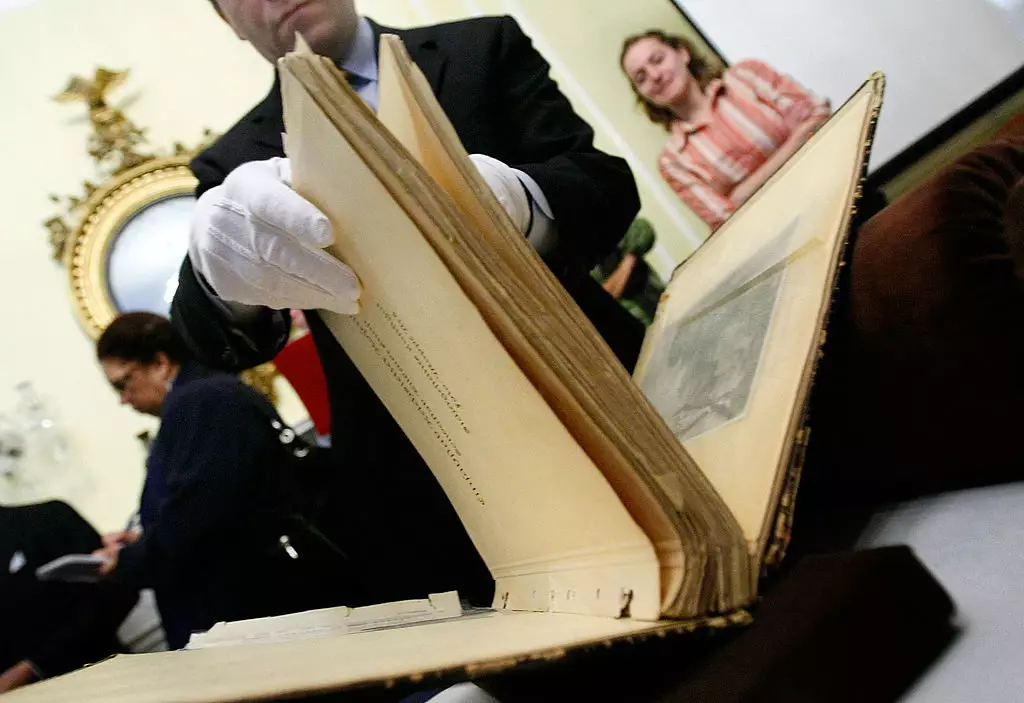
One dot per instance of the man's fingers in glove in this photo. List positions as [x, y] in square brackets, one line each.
[256, 283]
[257, 187]
[313, 267]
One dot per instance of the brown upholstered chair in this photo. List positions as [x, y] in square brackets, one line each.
[926, 392]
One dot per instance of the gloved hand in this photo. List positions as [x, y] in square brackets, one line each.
[507, 188]
[257, 241]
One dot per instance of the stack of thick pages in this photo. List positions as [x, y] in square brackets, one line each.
[572, 487]
[604, 506]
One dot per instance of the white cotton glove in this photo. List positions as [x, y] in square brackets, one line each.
[509, 187]
[256, 241]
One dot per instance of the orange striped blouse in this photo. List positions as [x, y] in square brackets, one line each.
[754, 111]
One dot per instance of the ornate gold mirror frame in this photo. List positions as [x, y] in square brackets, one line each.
[134, 225]
[106, 216]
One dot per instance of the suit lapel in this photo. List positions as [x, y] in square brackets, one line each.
[423, 50]
[268, 120]
[431, 61]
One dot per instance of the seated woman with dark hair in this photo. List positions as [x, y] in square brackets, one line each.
[728, 131]
[213, 543]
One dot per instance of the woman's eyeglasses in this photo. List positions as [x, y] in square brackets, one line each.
[121, 385]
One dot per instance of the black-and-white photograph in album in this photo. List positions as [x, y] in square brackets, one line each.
[702, 375]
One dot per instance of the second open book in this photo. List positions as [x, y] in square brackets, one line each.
[582, 493]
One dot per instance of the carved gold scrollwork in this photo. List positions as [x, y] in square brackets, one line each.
[133, 179]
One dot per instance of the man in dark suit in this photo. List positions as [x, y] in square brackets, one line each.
[51, 628]
[256, 251]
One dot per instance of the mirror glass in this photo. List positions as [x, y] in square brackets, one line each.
[146, 253]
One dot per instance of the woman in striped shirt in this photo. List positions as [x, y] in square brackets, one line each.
[728, 132]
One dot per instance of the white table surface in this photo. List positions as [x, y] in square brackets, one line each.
[973, 542]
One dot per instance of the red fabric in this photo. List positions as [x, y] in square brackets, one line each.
[1013, 128]
[299, 363]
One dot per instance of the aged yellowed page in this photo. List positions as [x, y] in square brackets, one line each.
[550, 528]
[410, 113]
[329, 622]
[297, 669]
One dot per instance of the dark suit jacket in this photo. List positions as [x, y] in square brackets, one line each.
[56, 626]
[496, 91]
[210, 544]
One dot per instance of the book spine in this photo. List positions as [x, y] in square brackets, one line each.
[775, 550]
